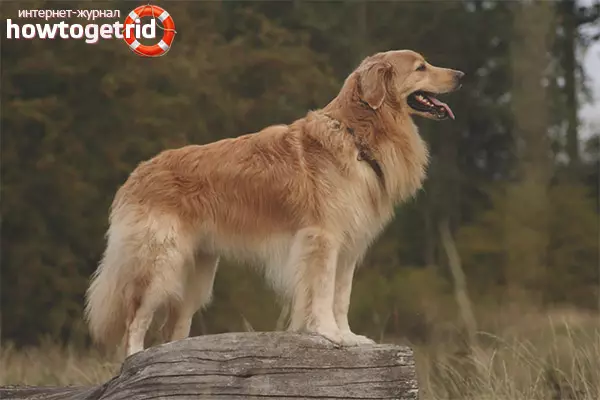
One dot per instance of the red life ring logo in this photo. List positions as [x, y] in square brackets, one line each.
[131, 25]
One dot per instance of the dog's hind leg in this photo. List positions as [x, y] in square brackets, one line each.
[197, 294]
[140, 318]
[163, 285]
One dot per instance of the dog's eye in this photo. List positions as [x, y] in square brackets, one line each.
[421, 67]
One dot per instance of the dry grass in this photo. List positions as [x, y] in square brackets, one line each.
[54, 365]
[529, 356]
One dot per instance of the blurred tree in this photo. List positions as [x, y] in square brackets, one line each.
[527, 196]
[567, 78]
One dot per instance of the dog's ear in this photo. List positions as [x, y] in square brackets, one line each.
[373, 79]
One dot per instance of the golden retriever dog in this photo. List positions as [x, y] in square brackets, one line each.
[303, 200]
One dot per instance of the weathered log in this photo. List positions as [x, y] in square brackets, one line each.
[276, 365]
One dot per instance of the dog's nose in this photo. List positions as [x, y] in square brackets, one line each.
[458, 75]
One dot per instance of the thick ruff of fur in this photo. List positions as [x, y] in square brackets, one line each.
[295, 199]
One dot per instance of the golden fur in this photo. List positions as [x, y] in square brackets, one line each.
[295, 199]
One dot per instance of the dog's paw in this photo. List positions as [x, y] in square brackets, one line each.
[352, 339]
[345, 338]
[333, 336]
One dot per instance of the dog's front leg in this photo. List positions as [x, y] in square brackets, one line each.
[314, 260]
[343, 288]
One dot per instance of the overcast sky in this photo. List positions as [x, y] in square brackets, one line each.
[590, 113]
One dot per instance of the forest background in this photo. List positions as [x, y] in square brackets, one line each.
[498, 253]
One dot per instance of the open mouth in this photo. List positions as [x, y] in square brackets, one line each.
[427, 102]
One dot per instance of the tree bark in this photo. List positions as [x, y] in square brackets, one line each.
[460, 285]
[569, 25]
[278, 365]
[528, 207]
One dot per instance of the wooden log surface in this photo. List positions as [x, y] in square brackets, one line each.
[273, 365]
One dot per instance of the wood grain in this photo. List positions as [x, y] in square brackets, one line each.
[269, 365]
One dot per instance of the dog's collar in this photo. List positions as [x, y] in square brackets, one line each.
[364, 153]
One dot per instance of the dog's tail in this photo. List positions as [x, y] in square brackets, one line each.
[105, 301]
[110, 295]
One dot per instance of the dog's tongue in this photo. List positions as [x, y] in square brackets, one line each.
[442, 104]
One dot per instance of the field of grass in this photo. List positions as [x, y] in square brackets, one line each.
[525, 356]
[531, 357]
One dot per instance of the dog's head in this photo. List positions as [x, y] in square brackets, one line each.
[405, 81]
